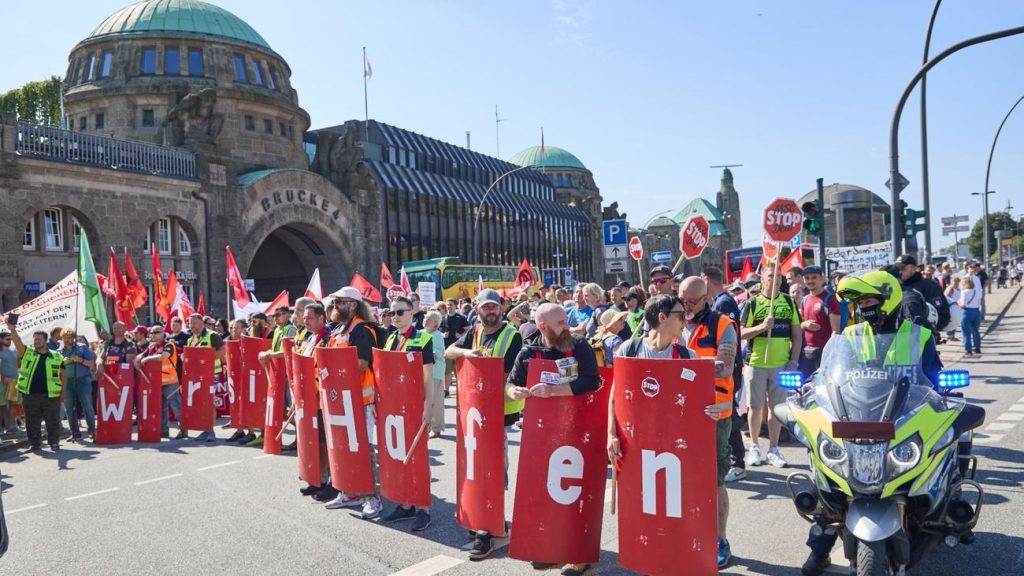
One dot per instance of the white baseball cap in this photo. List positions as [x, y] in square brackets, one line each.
[350, 293]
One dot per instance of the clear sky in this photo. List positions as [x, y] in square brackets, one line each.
[647, 94]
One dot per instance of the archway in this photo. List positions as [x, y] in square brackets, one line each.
[286, 258]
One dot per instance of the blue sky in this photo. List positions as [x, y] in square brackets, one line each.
[646, 94]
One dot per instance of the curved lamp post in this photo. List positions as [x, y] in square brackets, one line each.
[480, 207]
[988, 170]
[924, 136]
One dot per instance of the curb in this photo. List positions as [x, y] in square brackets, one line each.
[1002, 312]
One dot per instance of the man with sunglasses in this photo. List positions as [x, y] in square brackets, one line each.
[661, 280]
[408, 338]
[162, 350]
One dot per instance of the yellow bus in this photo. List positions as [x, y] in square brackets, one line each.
[454, 279]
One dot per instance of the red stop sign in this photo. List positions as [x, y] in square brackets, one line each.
[636, 249]
[782, 219]
[694, 236]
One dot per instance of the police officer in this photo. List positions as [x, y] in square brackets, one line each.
[41, 381]
[910, 275]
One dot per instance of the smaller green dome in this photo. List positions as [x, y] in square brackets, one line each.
[182, 16]
[552, 157]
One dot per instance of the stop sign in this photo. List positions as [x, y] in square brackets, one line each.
[782, 219]
[694, 236]
[636, 249]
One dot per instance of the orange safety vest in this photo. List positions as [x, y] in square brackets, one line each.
[366, 379]
[705, 347]
[168, 366]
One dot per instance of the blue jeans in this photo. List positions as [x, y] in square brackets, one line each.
[971, 327]
[172, 399]
[79, 389]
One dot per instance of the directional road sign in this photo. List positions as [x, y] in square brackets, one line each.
[947, 230]
[615, 266]
[954, 220]
[661, 257]
[616, 252]
[614, 232]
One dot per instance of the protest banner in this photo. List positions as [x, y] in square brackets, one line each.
[860, 258]
[253, 390]
[480, 445]
[404, 464]
[274, 418]
[114, 414]
[197, 364]
[667, 490]
[149, 398]
[307, 439]
[62, 306]
[233, 376]
[345, 426]
[563, 465]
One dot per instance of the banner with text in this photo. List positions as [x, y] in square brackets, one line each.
[274, 420]
[62, 306]
[114, 414]
[233, 377]
[197, 364]
[345, 427]
[863, 257]
[480, 445]
[149, 398]
[253, 389]
[307, 439]
[400, 418]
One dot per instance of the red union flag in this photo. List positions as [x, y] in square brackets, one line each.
[667, 486]
[233, 374]
[399, 418]
[782, 219]
[345, 429]
[694, 236]
[304, 373]
[114, 417]
[275, 406]
[148, 401]
[563, 464]
[197, 388]
[480, 438]
[253, 389]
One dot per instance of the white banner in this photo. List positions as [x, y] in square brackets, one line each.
[62, 306]
[428, 295]
[864, 257]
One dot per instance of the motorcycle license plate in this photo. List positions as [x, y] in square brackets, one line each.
[863, 430]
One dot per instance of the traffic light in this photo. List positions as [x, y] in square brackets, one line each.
[812, 217]
[910, 218]
[887, 217]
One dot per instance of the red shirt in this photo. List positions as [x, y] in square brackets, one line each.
[813, 308]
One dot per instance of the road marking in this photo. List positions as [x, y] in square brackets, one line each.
[261, 457]
[1011, 416]
[608, 494]
[430, 566]
[150, 481]
[33, 507]
[97, 493]
[1016, 408]
[995, 426]
[221, 465]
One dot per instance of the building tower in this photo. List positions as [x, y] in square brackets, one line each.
[728, 203]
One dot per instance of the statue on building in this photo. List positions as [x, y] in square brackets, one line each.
[193, 119]
[340, 159]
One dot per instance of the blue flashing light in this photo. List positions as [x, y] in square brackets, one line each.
[952, 379]
[791, 380]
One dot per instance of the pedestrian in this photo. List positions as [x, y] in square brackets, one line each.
[117, 350]
[771, 321]
[635, 300]
[577, 369]
[41, 382]
[661, 281]
[617, 294]
[970, 301]
[981, 284]
[79, 362]
[178, 336]
[204, 337]
[431, 325]
[161, 350]
[911, 277]
[411, 339]
[283, 328]
[418, 313]
[453, 325]
[587, 297]
[956, 315]
[54, 342]
[9, 395]
[820, 314]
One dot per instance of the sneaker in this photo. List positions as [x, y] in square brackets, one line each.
[754, 457]
[371, 508]
[325, 494]
[205, 437]
[309, 490]
[257, 441]
[181, 435]
[165, 435]
[345, 501]
[775, 458]
[735, 474]
[399, 514]
[968, 355]
[482, 547]
[422, 521]
[55, 447]
[246, 438]
[236, 436]
[724, 553]
[815, 564]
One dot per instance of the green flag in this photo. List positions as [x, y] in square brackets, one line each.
[94, 308]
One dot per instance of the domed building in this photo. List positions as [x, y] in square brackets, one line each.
[861, 211]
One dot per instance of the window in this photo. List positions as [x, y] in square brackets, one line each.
[257, 74]
[148, 118]
[71, 123]
[76, 233]
[53, 220]
[558, 180]
[172, 61]
[272, 76]
[240, 68]
[81, 123]
[76, 72]
[284, 129]
[268, 126]
[108, 56]
[568, 180]
[100, 122]
[184, 245]
[195, 62]
[149, 241]
[148, 64]
[250, 123]
[90, 68]
[28, 241]
[163, 236]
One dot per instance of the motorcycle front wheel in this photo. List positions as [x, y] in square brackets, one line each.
[873, 559]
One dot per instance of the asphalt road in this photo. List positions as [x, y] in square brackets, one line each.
[222, 509]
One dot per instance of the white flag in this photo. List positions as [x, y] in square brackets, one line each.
[314, 290]
[367, 69]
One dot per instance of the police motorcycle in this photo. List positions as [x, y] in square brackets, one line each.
[886, 454]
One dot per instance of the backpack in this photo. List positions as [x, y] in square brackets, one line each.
[631, 348]
[597, 345]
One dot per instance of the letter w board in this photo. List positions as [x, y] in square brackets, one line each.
[341, 400]
[667, 492]
[480, 464]
[114, 417]
[399, 418]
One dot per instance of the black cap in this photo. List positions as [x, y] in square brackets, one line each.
[906, 260]
[661, 270]
[813, 270]
[624, 284]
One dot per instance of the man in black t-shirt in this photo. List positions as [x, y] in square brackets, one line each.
[454, 326]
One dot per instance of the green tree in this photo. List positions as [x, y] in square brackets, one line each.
[996, 221]
[36, 102]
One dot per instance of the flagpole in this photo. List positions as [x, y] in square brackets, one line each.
[227, 293]
[366, 101]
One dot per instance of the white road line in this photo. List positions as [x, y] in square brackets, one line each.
[97, 493]
[221, 465]
[1021, 401]
[988, 439]
[608, 494]
[152, 480]
[1016, 408]
[261, 457]
[1011, 416]
[996, 426]
[33, 507]
[430, 566]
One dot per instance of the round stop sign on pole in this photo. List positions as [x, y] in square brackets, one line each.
[782, 219]
[694, 236]
[636, 248]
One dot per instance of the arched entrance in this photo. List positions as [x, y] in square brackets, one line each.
[287, 257]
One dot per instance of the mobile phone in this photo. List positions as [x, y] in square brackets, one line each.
[12, 319]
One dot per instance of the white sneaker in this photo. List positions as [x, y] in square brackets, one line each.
[754, 457]
[775, 458]
[735, 474]
[343, 500]
[371, 508]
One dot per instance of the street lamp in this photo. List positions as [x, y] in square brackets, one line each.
[984, 207]
[924, 136]
[479, 209]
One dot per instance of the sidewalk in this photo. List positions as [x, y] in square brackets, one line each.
[996, 305]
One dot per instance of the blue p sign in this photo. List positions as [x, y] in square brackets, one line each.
[614, 232]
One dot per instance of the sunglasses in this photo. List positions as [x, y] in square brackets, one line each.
[680, 313]
[399, 312]
[661, 280]
[692, 302]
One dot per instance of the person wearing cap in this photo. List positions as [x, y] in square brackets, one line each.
[495, 338]
[820, 313]
[910, 276]
[608, 338]
[140, 336]
[163, 351]
[635, 300]
[661, 281]
[79, 360]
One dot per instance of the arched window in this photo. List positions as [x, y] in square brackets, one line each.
[76, 234]
[184, 244]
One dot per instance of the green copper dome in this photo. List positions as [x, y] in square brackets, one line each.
[552, 157]
[182, 16]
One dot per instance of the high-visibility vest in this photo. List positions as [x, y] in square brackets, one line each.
[420, 339]
[366, 380]
[205, 340]
[501, 346]
[169, 365]
[705, 345]
[277, 338]
[54, 363]
[635, 320]
[905, 350]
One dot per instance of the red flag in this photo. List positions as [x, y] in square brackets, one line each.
[253, 387]
[386, 279]
[479, 283]
[345, 426]
[114, 413]
[148, 401]
[136, 289]
[197, 385]
[748, 268]
[369, 293]
[159, 291]
[791, 261]
[105, 287]
[123, 310]
[281, 300]
[524, 279]
[399, 417]
[480, 436]
[405, 283]
[313, 290]
[235, 280]
[201, 308]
